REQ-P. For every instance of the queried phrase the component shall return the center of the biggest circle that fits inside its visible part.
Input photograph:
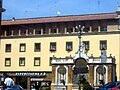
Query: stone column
(65, 30)
(91, 74)
(28, 83)
(33, 31)
(5, 33)
(19, 33)
(41, 31)
(109, 73)
(70, 76)
(53, 77)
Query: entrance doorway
(80, 70)
(22, 81)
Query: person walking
(8, 82)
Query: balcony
(99, 60)
(67, 60)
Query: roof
(60, 19)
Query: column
(41, 31)
(33, 31)
(91, 74)
(5, 33)
(65, 30)
(90, 28)
(28, 83)
(70, 76)
(12, 33)
(73, 29)
(26, 32)
(109, 73)
(57, 30)
(53, 77)
(49, 30)
(98, 28)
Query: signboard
(30, 74)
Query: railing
(62, 61)
(99, 60)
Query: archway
(80, 69)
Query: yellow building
(31, 49)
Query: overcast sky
(47, 8)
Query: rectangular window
(87, 45)
(69, 46)
(8, 48)
(103, 45)
(37, 61)
(37, 47)
(69, 30)
(103, 28)
(52, 46)
(54, 30)
(7, 62)
(22, 61)
(22, 47)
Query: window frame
(7, 60)
(22, 59)
(35, 62)
(53, 46)
(87, 45)
(36, 49)
(103, 28)
(22, 45)
(103, 44)
(8, 47)
(69, 46)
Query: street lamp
(103, 60)
(80, 29)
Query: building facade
(40, 52)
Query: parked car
(116, 88)
(15, 87)
(109, 86)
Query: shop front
(31, 80)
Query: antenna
(98, 5)
(57, 7)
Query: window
(69, 46)
(69, 30)
(103, 45)
(22, 61)
(103, 28)
(54, 30)
(8, 48)
(37, 32)
(37, 61)
(22, 47)
(37, 47)
(7, 62)
(52, 46)
(86, 44)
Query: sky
(20, 9)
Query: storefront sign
(30, 74)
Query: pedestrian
(8, 82)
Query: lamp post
(103, 59)
(79, 28)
